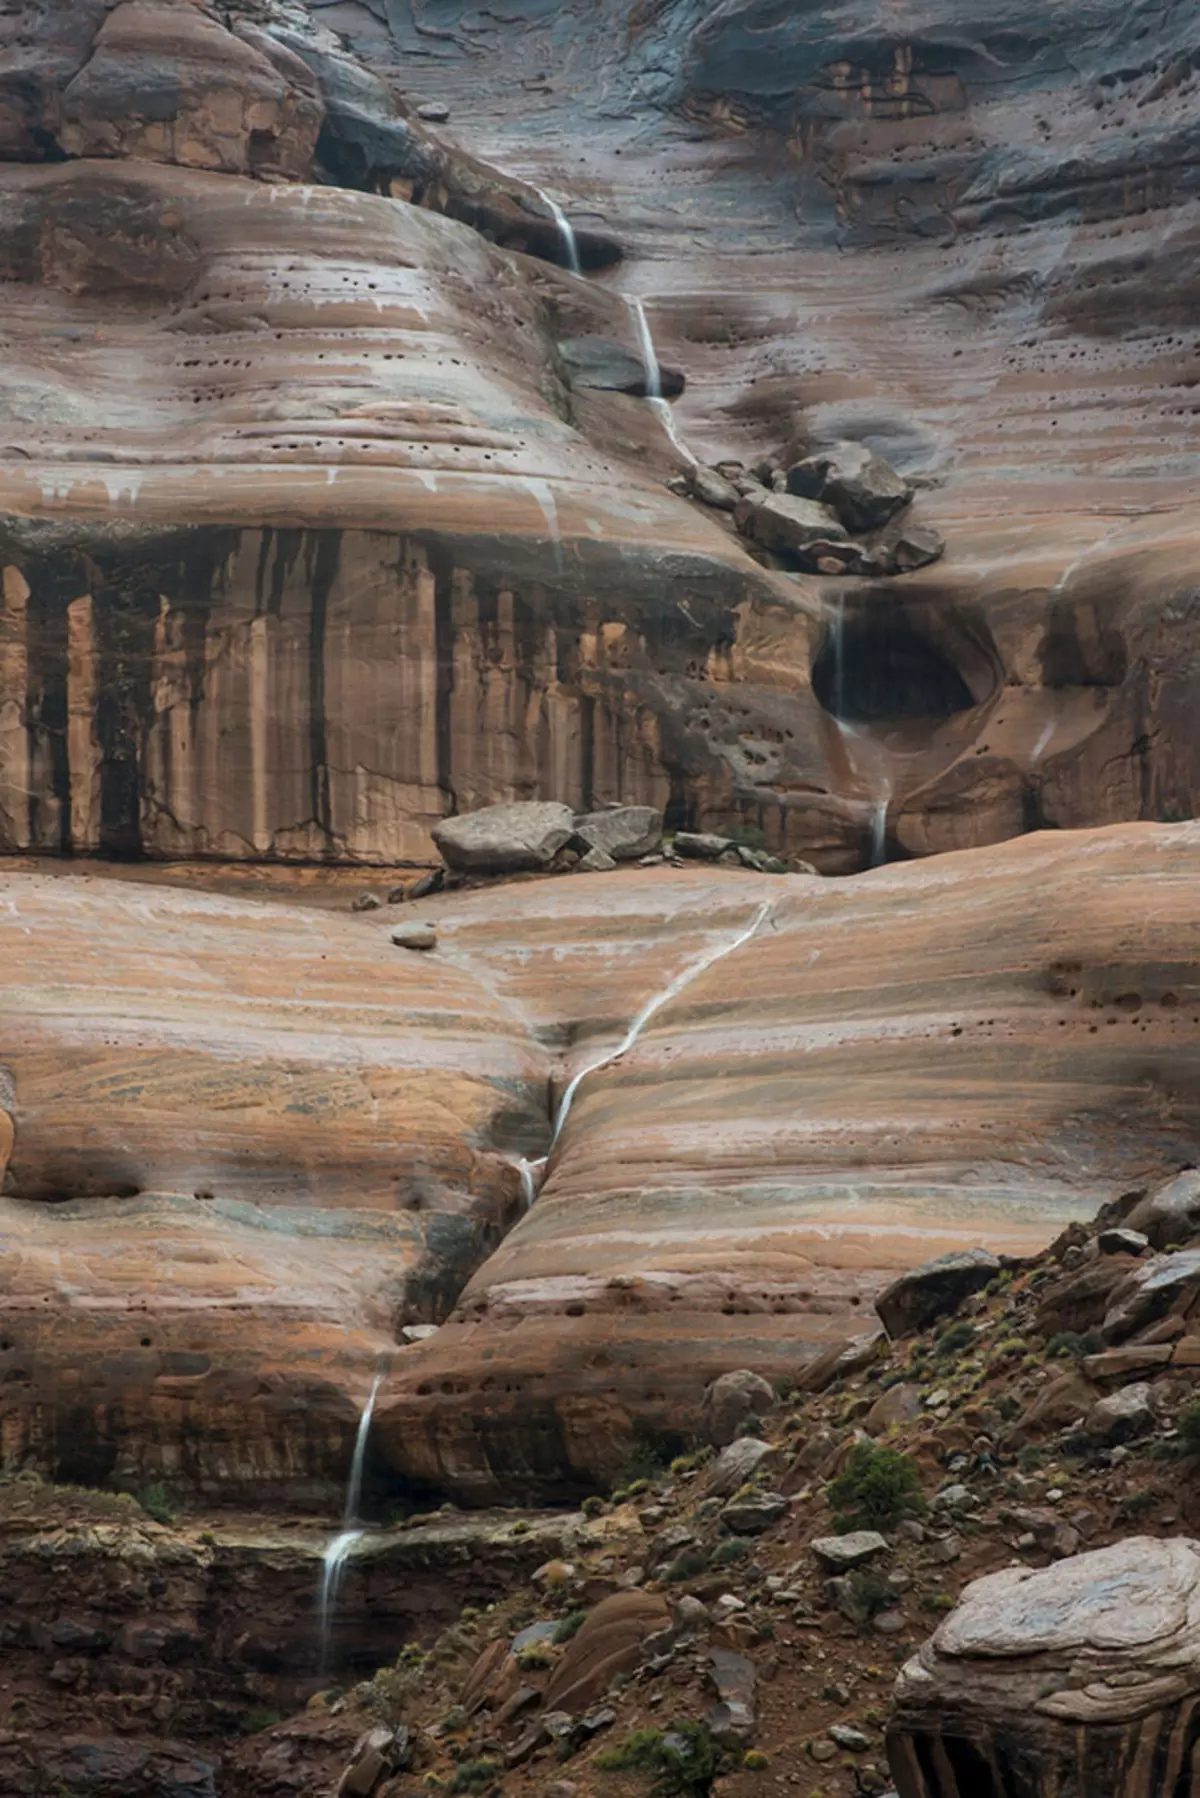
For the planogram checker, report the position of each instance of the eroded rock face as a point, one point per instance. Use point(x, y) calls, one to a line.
point(1056, 1679)
point(271, 1168)
point(351, 552)
point(615, 1301)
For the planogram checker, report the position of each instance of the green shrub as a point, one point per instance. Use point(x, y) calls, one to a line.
point(683, 1760)
point(958, 1336)
point(520, 1527)
point(729, 1552)
point(689, 1565)
point(157, 1502)
point(689, 1463)
point(593, 1506)
point(755, 1761)
point(1189, 1427)
point(876, 1488)
point(570, 1626)
point(535, 1657)
point(476, 1776)
point(867, 1593)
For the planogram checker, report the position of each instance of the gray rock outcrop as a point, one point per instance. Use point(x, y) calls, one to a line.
point(1080, 1677)
point(918, 1298)
point(505, 839)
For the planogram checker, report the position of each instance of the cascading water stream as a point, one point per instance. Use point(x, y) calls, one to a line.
point(338, 1552)
point(879, 812)
point(566, 231)
point(650, 363)
point(532, 1171)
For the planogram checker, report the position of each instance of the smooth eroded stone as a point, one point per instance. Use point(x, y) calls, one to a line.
point(415, 936)
point(609, 1642)
point(1058, 1679)
point(710, 487)
point(505, 839)
point(733, 1398)
point(936, 1290)
point(602, 363)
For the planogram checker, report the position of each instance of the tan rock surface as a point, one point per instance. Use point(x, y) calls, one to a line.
point(928, 1058)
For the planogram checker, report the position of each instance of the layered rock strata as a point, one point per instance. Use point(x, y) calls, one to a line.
point(804, 1120)
point(1082, 1675)
point(252, 1143)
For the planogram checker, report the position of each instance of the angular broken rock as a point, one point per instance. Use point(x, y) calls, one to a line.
point(1172, 1214)
point(756, 1512)
point(838, 1554)
point(505, 839)
point(1075, 1674)
point(936, 1290)
point(712, 488)
point(624, 833)
point(1165, 1284)
point(738, 1463)
point(379, 1752)
point(730, 1400)
point(863, 489)
point(732, 1677)
point(595, 861)
point(780, 522)
point(911, 546)
point(1122, 1417)
point(701, 845)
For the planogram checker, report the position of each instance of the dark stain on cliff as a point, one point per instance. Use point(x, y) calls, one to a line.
point(323, 554)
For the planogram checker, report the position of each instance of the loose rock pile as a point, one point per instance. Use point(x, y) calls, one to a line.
point(837, 511)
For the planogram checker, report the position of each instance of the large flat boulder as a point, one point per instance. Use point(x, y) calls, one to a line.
point(1058, 1679)
point(505, 839)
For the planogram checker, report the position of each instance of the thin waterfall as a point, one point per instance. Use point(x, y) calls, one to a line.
point(653, 376)
point(566, 230)
point(333, 1562)
point(533, 1172)
point(878, 840)
point(637, 312)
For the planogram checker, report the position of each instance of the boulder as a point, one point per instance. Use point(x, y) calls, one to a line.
point(926, 1294)
point(377, 1753)
point(897, 1406)
point(623, 833)
point(1079, 1677)
point(910, 547)
point(1170, 1215)
point(756, 1512)
point(701, 845)
point(609, 1642)
point(738, 1463)
point(1122, 1241)
point(505, 839)
point(730, 1400)
point(787, 525)
point(606, 366)
point(863, 489)
point(841, 1360)
point(731, 1675)
point(1080, 1304)
point(1122, 1417)
point(596, 861)
point(710, 487)
point(1165, 1284)
point(415, 936)
point(840, 1554)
